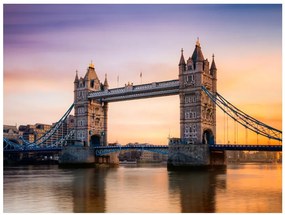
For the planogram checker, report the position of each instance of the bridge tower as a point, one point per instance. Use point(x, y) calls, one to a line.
point(197, 112)
point(197, 115)
point(90, 115)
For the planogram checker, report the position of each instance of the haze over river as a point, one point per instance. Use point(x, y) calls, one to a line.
point(250, 187)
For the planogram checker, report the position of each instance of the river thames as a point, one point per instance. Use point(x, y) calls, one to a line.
point(149, 188)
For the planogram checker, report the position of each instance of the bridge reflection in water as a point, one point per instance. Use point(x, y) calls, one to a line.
point(145, 188)
point(197, 189)
point(89, 194)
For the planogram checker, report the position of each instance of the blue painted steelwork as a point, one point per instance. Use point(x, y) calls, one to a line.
point(55, 146)
point(22, 150)
point(49, 133)
point(9, 145)
point(221, 147)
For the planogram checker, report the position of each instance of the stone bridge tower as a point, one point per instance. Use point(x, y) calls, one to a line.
point(90, 115)
point(197, 115)
point(197, 111)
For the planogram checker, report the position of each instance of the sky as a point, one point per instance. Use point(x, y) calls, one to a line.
point(44, 45)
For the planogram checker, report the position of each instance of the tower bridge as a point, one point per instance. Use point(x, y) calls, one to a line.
point(196, 87)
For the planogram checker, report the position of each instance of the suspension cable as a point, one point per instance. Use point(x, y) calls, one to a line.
point(246, 135)
point(242, 118)
point(50, 132)
point(227, 129)
point(237, 132)
point(224, 128)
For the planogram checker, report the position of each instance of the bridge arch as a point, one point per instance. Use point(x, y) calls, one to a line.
point(95, 140)
point(208, 137)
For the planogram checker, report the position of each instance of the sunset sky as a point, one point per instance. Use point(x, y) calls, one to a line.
point(45, 44)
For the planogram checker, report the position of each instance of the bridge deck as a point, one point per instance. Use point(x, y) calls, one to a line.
point(216, 147)
point(221, 147)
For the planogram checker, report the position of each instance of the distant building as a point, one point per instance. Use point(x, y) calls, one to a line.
point(11, 132)
point(33, 132)
point(147, 156)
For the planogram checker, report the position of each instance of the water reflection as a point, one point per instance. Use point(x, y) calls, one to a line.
point(197, 189)
point(146, 188)
point(89, 194)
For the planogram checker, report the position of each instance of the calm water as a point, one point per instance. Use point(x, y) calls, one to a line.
point(149, 188)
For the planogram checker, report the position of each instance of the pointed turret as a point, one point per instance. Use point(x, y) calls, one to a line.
point(182, 61)
point(106, 85)
point(76, 77)
point(197, 55)
point(182, 64)
point(213, 68)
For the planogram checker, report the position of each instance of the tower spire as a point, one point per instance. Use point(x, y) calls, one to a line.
point(213, 68)
point(182, 61)
point(106, 85)
point(197, 54)
point(76, 77)
point(213, 65)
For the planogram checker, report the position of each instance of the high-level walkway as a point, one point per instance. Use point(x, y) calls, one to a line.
point(130, 92)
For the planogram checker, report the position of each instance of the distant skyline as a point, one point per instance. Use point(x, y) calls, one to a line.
point(45, 44)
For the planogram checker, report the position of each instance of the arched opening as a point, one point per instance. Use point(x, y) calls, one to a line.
point(208, 137)
point(95, 140)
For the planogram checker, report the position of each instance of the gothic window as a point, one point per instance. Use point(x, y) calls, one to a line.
point(190, 114)
point(186, 129)
point(92, 83)
point(194, 128)
point(79, 134)
point(186, 99)
point(83, 135)
point(187, 115)
point(189, 79)
point(190, 99)
point(80, 110)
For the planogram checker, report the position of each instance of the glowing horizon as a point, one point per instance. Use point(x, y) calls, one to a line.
point(42, 51)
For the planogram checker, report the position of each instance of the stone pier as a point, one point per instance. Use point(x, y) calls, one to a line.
point(74, 156)
point(110, 159)
point(190, 156)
